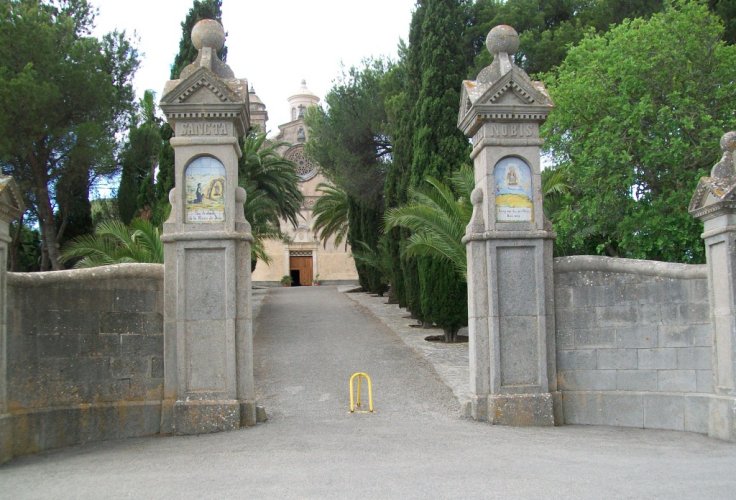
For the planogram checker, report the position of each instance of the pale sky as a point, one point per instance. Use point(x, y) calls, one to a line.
point(273, 43)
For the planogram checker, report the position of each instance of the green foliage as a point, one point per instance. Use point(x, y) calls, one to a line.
point(378, 259)
point(639, 112)
point(450, 313)
point(330, 214)
point(25, 251)
point(437, 218)
point(139, 160)
point(64, 95)
point(547, 28)
point(438, 146)
point(272, 187)
point(116, 243)
point(349, 140)
point(440, 58)
point(262, 169)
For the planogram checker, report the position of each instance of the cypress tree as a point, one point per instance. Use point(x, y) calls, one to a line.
point(438, 147)
point(404, 269)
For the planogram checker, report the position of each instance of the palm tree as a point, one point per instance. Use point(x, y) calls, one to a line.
point(437, 219)
point(115, 243)
point(330, 214)
point(263, 169)
point(272, 188)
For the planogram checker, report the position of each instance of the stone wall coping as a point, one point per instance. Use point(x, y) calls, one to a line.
point(581, 263)
point(117, 271)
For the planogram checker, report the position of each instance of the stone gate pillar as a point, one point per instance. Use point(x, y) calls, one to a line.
point(11, 206)
point(208, 364)
point(509, 245)
point(714, 202)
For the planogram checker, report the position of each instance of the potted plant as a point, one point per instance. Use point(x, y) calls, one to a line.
point(316, 281)
point(286, 280)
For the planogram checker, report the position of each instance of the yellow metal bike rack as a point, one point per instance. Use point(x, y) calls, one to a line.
point(356, 403)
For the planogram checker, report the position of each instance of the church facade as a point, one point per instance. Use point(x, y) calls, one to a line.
point(301, 255)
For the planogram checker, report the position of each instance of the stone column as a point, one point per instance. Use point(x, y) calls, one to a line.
point(509, 245)
point(714, 203)
point(11, 206)
point(208, 347)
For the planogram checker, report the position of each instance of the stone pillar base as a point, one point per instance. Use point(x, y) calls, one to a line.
point(479, 408)
point(247, 413)
point(6, 437)
point(521, 409)
point(722, 418)
point(203, 417)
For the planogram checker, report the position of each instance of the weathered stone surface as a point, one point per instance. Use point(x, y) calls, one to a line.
point(203, 417)
point(677, 381)
point(521, 410)
point(617, 359)
point(662, 411)
point(657, 359)
point(82, 384)
point(647, 327)
point(636, 380)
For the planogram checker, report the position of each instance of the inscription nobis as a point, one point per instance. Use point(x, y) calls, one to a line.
point(511, 130)
point(204, 128)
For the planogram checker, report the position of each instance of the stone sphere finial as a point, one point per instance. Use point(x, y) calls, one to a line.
point(728, 142)
point(208, 33)
point(502, 39)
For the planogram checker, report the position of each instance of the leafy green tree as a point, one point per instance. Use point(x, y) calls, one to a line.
point(547, 28)
point(349, 140)
point(201, 9)
point(639, 111)
point(64, 95)
point(139, 160)
point(116, 243)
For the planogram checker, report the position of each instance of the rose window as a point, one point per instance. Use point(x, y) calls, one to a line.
point(305, 169)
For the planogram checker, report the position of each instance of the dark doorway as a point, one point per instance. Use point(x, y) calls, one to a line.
point(300, 269)
point(295, 278)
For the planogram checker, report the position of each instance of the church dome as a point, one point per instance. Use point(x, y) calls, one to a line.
point(301, 100)
point(255, 102)
point(303, 92)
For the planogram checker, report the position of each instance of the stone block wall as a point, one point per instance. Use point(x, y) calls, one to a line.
point(85, 355)
point(634, 343)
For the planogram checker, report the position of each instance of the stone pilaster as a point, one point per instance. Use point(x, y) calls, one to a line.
point(714, 202)
point(11, 206)
point(509, 245)
point(208, 346)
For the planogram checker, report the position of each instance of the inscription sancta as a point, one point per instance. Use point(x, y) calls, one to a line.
point(204, 128)
point(511, 130)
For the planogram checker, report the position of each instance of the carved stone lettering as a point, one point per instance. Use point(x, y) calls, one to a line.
point(511, 130)
point(204, 128)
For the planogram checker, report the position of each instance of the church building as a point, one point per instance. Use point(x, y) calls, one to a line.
point(301, 255)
